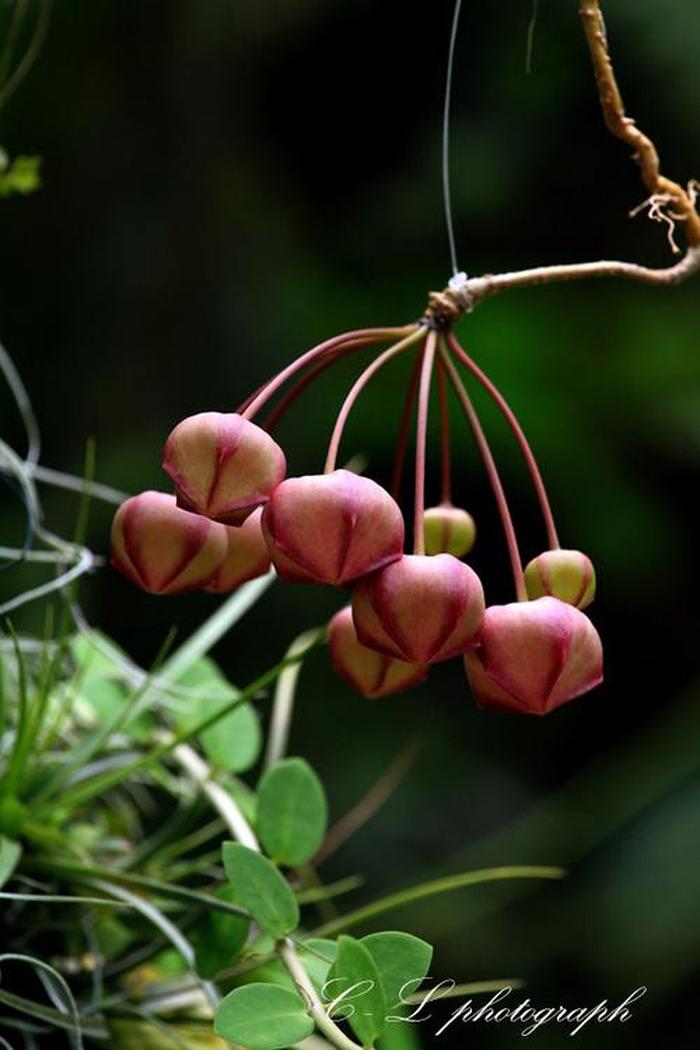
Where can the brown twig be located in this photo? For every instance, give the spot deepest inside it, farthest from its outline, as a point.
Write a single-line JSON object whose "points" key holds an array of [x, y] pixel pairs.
{"points": [[668, 202], [677, 201]]}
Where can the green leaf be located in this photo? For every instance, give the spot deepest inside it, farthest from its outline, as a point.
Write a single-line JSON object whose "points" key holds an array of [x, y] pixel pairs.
{"points": [[10, 853], [357, 980], [292, 812], [219, 938], [261, 889], [400, 958], [234, 743], [263, 1017]]}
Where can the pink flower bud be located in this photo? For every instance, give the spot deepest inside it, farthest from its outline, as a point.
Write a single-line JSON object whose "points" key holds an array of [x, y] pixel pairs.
{"points": [[332, 528], [448, 530], [222, 465], [420, 609], [534, 656], [369, 672], [247, 557], [165, 549], [567, 575]]}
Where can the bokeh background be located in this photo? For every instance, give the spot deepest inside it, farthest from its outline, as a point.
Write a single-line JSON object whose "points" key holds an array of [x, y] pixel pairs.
{"points": [[227, 183]]}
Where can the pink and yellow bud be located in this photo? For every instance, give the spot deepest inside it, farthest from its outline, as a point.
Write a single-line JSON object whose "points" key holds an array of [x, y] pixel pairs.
{"points": [[247, 556], [567, 575], [332, 528], [448, 530], [370, 673], [164, 549], [222, 465], [534, 656], [419, 609]]}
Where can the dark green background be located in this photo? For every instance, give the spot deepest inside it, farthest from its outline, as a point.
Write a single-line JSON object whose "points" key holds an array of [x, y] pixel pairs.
{"points": [[227, 183]]}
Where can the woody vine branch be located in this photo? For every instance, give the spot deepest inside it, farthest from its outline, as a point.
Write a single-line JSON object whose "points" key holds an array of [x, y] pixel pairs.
{"points": [[668, 203]]}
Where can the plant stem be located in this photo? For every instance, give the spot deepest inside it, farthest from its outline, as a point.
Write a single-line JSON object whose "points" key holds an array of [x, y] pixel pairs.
{"points": [[445, 453], [679, 203], [404, 428], [495, 394], [416, 334], [243, 833], [361, 337], [476, 289], [493, 475], [421, 441]]}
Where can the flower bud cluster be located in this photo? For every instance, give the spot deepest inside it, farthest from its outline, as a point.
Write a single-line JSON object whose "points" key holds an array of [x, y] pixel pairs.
{"points": [[235, 513]]}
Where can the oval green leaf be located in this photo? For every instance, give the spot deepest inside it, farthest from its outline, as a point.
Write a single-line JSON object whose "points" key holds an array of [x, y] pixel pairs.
{"points": [[261, 889], [401, 960], [292, 812], [355, 977], [263, 1017], [232, 744]]}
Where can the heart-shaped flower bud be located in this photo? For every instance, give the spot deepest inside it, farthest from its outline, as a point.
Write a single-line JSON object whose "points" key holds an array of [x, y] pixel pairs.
{"points": [[332, 528], [448, 530], [247, 557], [222, 465], [162, 548], [534, 656], [420, 609], [567, 575], [371, 673]]}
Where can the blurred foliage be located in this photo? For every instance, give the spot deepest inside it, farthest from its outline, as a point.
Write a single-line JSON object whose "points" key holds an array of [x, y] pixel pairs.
{"points": [[253, 180]]}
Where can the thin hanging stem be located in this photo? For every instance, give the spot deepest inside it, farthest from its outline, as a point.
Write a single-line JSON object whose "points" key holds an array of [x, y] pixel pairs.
{"points": [[426, 375], [445, 451], [493, 475], [417, 333], [404, 428], [362, 337], [446, 193], [519, 434]]}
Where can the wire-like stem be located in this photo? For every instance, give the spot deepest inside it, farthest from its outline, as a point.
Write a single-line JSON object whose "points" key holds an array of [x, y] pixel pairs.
{"points": [[495, 394], [445, 451], [404, 430], [417, 333], [361, 337], [426, 375], [493, 475]]}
